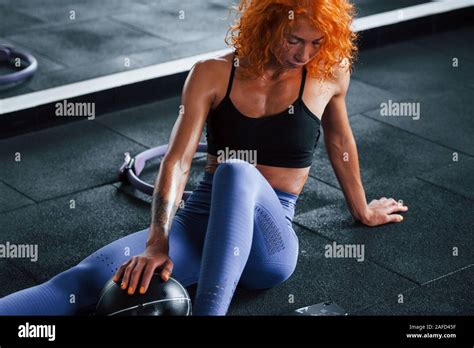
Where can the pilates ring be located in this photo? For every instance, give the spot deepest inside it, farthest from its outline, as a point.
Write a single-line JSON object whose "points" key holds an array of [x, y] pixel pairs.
{"points": [[133, 166], [8, 54]]}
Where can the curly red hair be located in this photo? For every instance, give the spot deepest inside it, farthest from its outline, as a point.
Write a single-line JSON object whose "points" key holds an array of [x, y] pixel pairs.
{"points": [[263, 24]]}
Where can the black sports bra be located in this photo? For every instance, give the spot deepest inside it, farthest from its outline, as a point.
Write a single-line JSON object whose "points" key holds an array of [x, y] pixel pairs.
{"points": [[286, 139]]}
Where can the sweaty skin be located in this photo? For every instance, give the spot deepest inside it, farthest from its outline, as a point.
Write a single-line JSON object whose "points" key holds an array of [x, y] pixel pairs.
{"points": [[204, 89]]}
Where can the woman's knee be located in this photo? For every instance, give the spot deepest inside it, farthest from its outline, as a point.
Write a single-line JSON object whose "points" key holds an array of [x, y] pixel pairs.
{"points": [[235, 175], [234, 168]]}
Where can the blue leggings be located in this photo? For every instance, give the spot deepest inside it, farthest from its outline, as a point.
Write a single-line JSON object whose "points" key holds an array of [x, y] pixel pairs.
{"points": [[234, 229]]}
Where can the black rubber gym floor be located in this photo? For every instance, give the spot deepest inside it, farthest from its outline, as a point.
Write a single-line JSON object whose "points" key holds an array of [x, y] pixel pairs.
{"points": [[400, 157]]}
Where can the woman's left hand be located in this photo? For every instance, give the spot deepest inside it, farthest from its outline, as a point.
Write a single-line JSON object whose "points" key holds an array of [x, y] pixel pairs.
{"points": [[381, 211]]}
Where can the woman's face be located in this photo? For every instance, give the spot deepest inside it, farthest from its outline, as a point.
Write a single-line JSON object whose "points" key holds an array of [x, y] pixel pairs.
{"points": [[300, 45]]}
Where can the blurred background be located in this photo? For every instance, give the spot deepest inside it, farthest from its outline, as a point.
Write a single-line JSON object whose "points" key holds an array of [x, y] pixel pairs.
{"points": [[78, 40]]}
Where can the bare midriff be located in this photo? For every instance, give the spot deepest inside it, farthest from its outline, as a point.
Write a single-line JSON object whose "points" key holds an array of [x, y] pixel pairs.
{"points": [[289, 180]]}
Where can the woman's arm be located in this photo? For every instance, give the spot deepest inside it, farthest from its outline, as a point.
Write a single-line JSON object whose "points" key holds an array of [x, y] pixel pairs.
{"points": [[197, 98], [342, 152], [173, 175]]}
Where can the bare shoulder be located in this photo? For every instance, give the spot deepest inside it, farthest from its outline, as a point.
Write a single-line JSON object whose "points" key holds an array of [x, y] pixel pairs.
{"points": [[212, 76], [336, 85], [342, 76], [325, 92], [215, 66], [208, 77]]}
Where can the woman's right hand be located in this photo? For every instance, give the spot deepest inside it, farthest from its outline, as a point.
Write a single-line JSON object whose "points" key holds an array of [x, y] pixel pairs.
{"points": [[142, 267]]}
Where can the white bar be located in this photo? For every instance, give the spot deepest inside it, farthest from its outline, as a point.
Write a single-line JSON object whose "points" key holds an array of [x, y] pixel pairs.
{"points": [[408, 13], [77, 89], [98, 84]]}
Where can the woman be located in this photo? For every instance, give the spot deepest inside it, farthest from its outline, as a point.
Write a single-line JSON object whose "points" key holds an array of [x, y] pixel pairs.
{"points": [[289, 75]]}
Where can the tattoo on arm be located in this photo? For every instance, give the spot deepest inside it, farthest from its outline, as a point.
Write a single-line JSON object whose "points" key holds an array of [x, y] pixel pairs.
{"points": [[162, 211]]}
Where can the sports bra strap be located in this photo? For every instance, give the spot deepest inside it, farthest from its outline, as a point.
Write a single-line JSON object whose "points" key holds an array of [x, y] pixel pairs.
{"points": [[303, 81], [231, 79]]}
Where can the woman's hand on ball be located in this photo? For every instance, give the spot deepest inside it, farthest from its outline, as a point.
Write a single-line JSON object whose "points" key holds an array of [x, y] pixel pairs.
{"points": [[142, 267]]}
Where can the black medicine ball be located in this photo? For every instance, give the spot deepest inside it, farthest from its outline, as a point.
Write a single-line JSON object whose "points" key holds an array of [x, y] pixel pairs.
{"points": [[161, 299]]}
